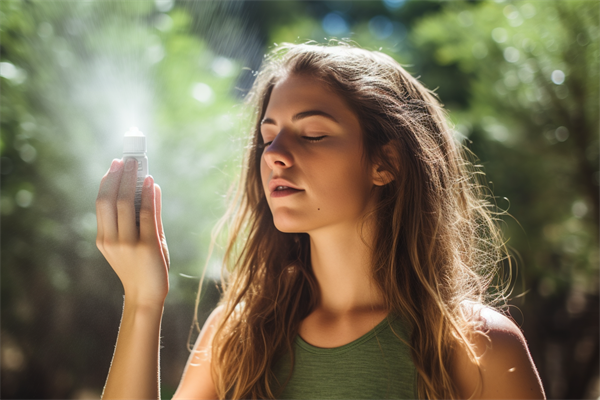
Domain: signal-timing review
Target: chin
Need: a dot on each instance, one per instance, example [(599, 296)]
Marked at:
[(288, 228), (288, 224)]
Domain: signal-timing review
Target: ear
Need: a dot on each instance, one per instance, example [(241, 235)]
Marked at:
[(381, 176)]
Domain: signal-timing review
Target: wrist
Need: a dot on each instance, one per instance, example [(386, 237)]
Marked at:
[(140, 302)]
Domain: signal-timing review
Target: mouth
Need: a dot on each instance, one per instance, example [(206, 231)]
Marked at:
[(277, 185), (281, 191), (280, 188)]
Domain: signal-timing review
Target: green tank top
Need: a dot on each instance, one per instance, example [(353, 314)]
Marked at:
[(375, 366)]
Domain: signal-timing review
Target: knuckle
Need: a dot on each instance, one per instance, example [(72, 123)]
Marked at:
[(101, 201), (107, 243), (124, 202), (127, 244), (146, 214)]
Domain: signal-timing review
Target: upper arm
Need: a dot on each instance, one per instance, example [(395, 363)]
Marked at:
[(196, 382), (507, 369)]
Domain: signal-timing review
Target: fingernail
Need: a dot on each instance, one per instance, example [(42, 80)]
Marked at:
[(115, 166), (129, 165), (148, 181)]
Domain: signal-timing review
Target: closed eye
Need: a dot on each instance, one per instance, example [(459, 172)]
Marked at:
[(308, 138), (314, 138)]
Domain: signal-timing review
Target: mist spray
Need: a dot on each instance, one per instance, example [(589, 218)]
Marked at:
[(134, 146)]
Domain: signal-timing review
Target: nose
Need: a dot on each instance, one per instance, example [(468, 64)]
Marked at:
[(277, 154)]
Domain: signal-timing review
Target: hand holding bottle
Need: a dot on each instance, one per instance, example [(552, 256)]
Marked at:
[(139, 257)]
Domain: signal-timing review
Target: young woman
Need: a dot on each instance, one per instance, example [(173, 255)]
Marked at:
[(360, 255)]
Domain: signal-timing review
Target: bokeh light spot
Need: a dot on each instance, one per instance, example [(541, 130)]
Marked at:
[(582, 39), (28, 153), (511, 12), (24, 198), (561, 133), (511, 79), (164, 5), (511, 54), (465, 18), (381, 27), (202, 92), (334, 24), (12, 73), (528, 10), (576, 302), (525, 74), (558, 77), (499, 35), (155, 53), (163, 22), (393, 4), (479, 50), (13, 358), (7, 205), (45, 30), (223, 67), (579, 209)]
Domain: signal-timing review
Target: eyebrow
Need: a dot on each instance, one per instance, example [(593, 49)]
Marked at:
[(302, 115)]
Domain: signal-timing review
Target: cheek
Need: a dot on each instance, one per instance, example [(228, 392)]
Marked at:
[(264, 172), (345, 185)]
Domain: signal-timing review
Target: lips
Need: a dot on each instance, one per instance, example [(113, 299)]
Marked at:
[(284, 192), (281, 187)]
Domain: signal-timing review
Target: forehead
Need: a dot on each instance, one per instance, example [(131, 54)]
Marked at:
[(297, 93)]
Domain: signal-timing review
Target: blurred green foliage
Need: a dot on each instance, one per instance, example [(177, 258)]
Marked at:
[(533, 102), (520, 80), (532, 77), (85, 72)]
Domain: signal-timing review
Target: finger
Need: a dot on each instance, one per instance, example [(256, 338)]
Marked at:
[(99, 227), (148, 228), (158, 203), (99, 223), (161, 232), (127, 229), (106, 210)]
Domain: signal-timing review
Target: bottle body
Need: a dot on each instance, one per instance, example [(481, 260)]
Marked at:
[(134, 146), (142, 172)]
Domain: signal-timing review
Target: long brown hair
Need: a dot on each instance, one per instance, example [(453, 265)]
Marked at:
[(436, 244)]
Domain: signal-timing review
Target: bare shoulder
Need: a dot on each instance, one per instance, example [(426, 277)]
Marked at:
[(506, 367), (196, 382)]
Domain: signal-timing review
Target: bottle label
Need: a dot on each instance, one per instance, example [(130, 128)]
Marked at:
[(142, 172)]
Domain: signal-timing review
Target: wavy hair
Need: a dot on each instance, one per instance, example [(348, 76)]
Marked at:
[(436, 245)]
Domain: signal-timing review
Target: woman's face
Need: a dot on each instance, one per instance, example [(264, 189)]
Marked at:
[(312, 167)]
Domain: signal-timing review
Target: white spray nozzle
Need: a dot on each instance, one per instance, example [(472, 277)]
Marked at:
[(134, 142)]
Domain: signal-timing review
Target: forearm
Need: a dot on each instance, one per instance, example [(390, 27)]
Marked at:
[(134, 371)]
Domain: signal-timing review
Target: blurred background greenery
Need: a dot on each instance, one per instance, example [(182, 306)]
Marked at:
[(520, 79)]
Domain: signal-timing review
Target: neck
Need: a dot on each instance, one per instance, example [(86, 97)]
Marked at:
[(341, 261)]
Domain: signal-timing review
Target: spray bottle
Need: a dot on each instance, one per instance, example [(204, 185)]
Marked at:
[(134, 146)]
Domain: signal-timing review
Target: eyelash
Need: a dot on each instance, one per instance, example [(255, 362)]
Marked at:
[(309, 138)]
